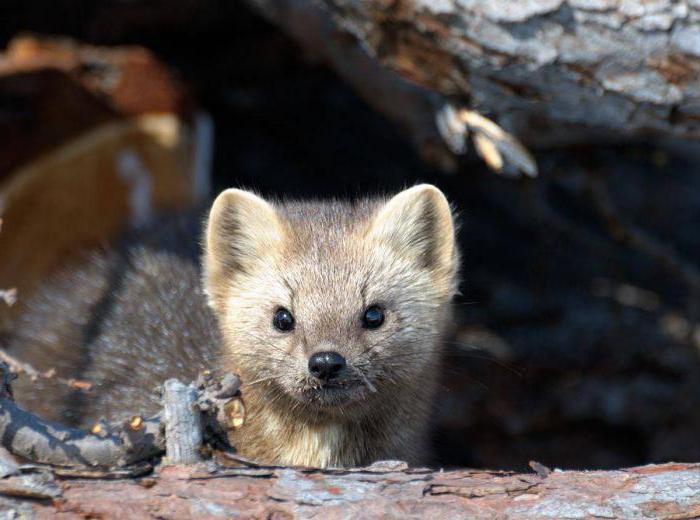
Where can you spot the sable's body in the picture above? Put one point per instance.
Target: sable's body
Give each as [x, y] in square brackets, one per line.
[324, 266]
[125, 319]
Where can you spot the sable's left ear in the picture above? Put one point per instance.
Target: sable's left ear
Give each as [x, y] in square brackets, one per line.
[418, 224]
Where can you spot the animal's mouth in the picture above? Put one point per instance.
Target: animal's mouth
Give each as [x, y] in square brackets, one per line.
[332, 394]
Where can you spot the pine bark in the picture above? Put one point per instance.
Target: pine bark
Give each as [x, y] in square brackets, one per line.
[550, 72]
[385, 490]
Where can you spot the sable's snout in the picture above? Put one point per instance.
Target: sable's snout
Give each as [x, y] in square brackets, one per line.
[326, 365]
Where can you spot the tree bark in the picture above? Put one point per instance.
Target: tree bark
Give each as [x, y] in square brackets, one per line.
[183, 424]
[549, 71]
[384, 490]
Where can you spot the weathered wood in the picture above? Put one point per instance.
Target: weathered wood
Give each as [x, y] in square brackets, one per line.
[191, 414]
[384, 490]
[183, 424]
[388, 488]
[26, 435]
[548, 71]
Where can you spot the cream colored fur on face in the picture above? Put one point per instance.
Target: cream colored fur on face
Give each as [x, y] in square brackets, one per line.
[326, 262]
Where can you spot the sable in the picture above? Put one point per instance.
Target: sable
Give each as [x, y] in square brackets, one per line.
[336, 390]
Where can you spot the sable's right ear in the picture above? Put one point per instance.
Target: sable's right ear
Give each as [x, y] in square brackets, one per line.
[241, 230]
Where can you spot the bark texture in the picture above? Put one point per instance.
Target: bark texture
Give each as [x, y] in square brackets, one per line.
[183, 424]
[598, 69]
[189, 412]
[386, 489]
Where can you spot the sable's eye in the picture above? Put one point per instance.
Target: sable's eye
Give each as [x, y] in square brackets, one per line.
[283, 320]
[373, 317]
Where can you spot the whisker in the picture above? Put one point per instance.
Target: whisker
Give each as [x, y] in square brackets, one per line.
[486, 356]
[261, 380]
[367, 382]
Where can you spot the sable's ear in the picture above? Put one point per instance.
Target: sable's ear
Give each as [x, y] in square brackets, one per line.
[241, 230]
[417, 223]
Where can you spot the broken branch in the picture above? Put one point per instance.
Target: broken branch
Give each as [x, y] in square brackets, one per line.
[20, 367]
[120, 444]
[183, 425]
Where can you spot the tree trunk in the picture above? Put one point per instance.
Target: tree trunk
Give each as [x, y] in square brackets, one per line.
[549, 71]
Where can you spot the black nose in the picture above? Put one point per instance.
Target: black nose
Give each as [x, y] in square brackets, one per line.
[326, 365]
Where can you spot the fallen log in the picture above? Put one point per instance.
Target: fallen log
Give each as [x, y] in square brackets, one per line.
[387, 489]
[549, 72]
[106, 468]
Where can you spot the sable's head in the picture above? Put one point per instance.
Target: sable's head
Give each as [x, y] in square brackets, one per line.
[327, 306]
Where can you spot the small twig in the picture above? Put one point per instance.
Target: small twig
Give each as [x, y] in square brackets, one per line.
[239, 460]
[20, 367]
[112, 447]
[137, 470]
[539, 468]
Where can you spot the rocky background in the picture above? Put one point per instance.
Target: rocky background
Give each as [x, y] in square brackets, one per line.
[577, 342]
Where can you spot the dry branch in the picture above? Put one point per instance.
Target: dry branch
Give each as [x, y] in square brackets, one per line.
[27, 436]
[20, 367]
[119, 444]
[548, 71]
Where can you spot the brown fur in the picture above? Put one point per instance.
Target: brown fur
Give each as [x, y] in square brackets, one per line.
[130, 318]
[125, 319]
[327, 263]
